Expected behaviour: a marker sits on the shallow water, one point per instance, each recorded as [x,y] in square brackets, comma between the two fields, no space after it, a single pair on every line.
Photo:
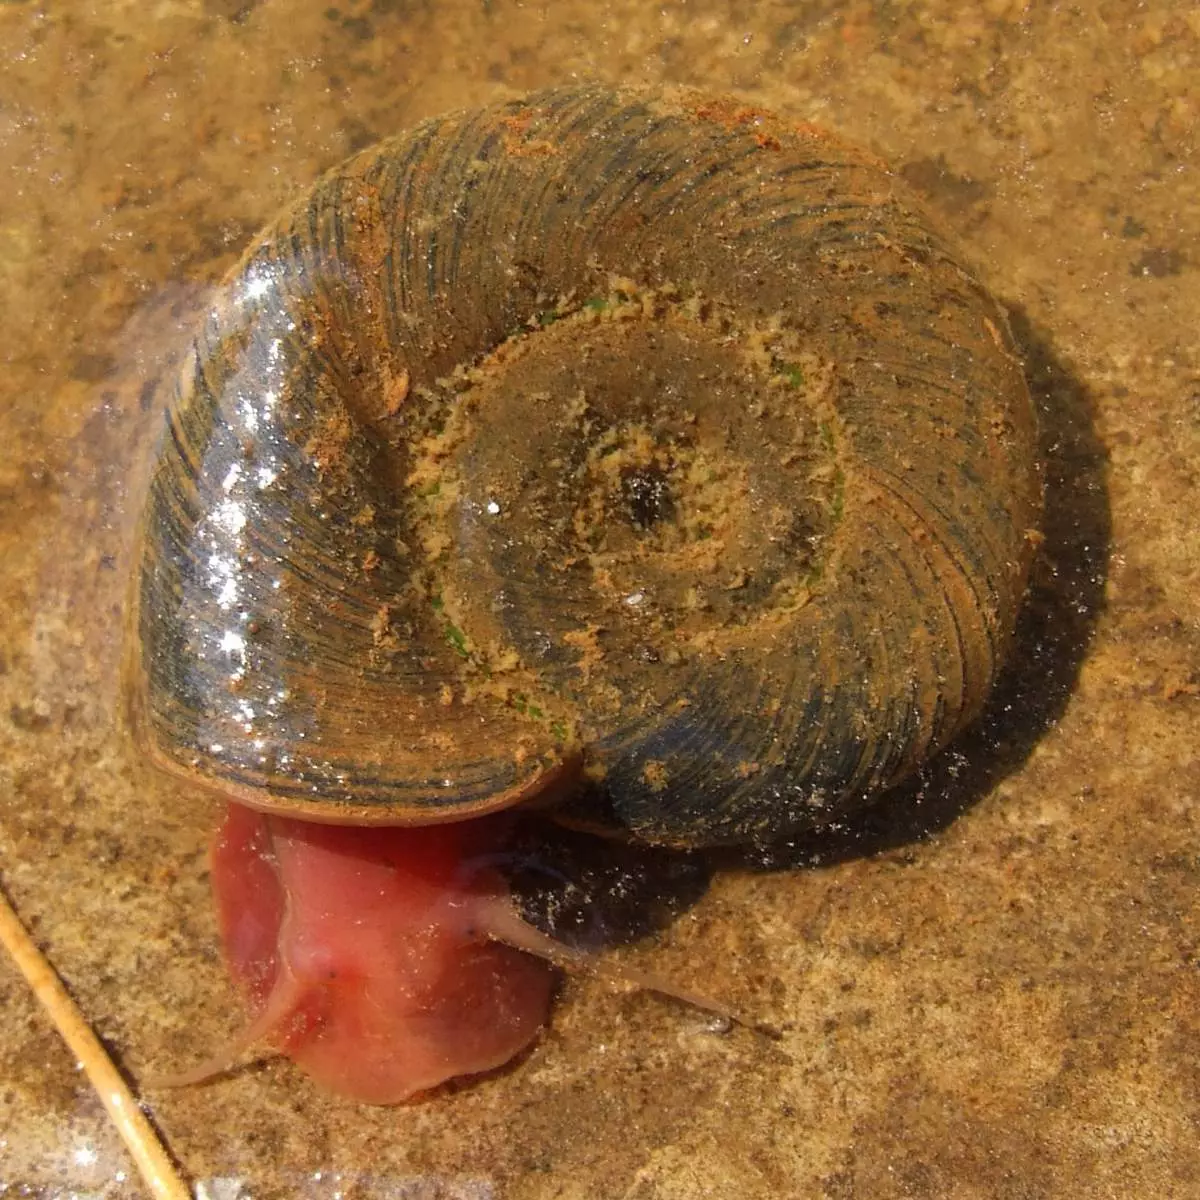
[989,989]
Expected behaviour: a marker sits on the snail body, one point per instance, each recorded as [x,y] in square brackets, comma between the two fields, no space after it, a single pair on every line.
[635,451]
[385,962]
[372,958]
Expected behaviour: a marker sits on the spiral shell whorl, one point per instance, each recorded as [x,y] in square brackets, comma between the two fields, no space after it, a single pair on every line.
[317,633]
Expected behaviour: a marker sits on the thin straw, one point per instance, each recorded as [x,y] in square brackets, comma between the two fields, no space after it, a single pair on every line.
[153,1163]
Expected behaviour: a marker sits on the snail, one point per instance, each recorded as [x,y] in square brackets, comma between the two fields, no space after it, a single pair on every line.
[635,454]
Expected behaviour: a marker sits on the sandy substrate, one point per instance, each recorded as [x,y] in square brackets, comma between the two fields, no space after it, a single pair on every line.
[991,989]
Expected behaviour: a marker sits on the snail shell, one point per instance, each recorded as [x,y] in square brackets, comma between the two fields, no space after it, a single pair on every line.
[630,424]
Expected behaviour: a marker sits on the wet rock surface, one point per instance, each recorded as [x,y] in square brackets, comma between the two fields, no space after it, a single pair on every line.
[988,987]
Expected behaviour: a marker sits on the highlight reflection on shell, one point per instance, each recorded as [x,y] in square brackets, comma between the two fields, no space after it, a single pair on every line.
[630,423]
